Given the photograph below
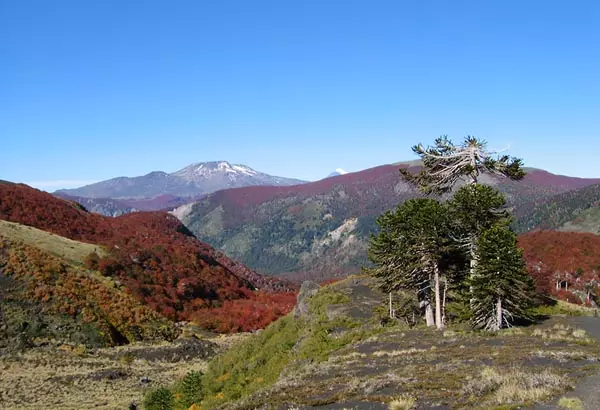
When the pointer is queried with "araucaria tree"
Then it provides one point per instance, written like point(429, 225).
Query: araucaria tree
point(501, 287)
point(409, 252)
point(423, 237)
point(476, 208)
point(446, 164)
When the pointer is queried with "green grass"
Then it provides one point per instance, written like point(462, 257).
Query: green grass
point(251, 365)
point(467, 368)
point(562, 308)
point(64, 248)
point(258, 362)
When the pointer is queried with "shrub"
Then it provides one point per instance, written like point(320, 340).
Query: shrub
point(159, 399)
point(402, 403)
point(91, 261)
point(191, 388)
point(570, 403)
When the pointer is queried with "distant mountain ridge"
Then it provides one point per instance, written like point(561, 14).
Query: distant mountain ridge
point(321, 229)
point(191, 181)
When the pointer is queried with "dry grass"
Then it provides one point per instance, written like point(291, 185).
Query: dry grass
point(74, 378)
point(402, 403)
point(562, 332)
point(59, 246)
point(515, 385)
point(394, 353)
point(564, 356)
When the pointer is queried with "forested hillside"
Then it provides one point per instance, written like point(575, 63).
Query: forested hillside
point(563, 262)
point(320, 229)
point(159, 262)
point(574, 207)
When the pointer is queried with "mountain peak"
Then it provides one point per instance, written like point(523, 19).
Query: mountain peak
point(337, 172)
point(206, 169)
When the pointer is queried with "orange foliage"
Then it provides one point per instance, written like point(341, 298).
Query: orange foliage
point(74, 292)
point(157, 259)
point(561, 260)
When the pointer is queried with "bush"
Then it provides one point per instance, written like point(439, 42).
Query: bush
point(91, 261)
point(191, 388)
point(159, 399)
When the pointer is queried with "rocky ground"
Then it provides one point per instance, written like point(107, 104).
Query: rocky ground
point(400, 367)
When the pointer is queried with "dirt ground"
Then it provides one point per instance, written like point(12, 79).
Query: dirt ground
point(588, 389)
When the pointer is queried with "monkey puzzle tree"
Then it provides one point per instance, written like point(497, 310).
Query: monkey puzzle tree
point(476, 208)
point(501, 288)
point(446, 164)
point(410, 250)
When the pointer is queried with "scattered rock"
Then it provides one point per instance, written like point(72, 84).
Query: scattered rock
point(307, 290)
point(108, 374)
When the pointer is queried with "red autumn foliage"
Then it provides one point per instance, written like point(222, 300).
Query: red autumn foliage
point(561, 262)
point(157, 259)
point(73, 291)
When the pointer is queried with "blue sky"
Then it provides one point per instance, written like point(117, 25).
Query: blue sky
point(96, 89)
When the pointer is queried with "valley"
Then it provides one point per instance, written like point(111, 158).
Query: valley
point(299, 205)
point(139, 310)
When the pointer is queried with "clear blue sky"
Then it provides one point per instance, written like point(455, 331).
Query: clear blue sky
point(94, 89)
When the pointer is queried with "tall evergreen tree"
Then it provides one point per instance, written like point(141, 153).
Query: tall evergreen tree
point(476, 208)
point(409, 252)
point(502, 289)
point(445, 164)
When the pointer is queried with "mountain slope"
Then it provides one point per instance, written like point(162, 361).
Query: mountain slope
point(569, 257)
point(158, 260)
point(102, 206)
point(46, 291)
point(574, 210)
point(118, 207)
point(193, 180)
point(320, 229)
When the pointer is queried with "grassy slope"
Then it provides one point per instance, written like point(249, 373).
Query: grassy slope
point(586, 221)
point(59, 246)
point(342, 355)
point(46, 294)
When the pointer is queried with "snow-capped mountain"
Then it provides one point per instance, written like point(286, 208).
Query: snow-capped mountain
point(194, 180)
point(203, 170)
point(338, 171)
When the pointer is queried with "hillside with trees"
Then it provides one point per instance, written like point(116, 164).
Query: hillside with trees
point(574, 210)
point(321, 229)
point(436, 321)
point(158, 261)
point(60, 299)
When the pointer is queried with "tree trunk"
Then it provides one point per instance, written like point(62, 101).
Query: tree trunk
point(391, 310)
point(429, 315)
point(438, 303)
point(499, 314)
point(472, 267)
point(444, 301)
